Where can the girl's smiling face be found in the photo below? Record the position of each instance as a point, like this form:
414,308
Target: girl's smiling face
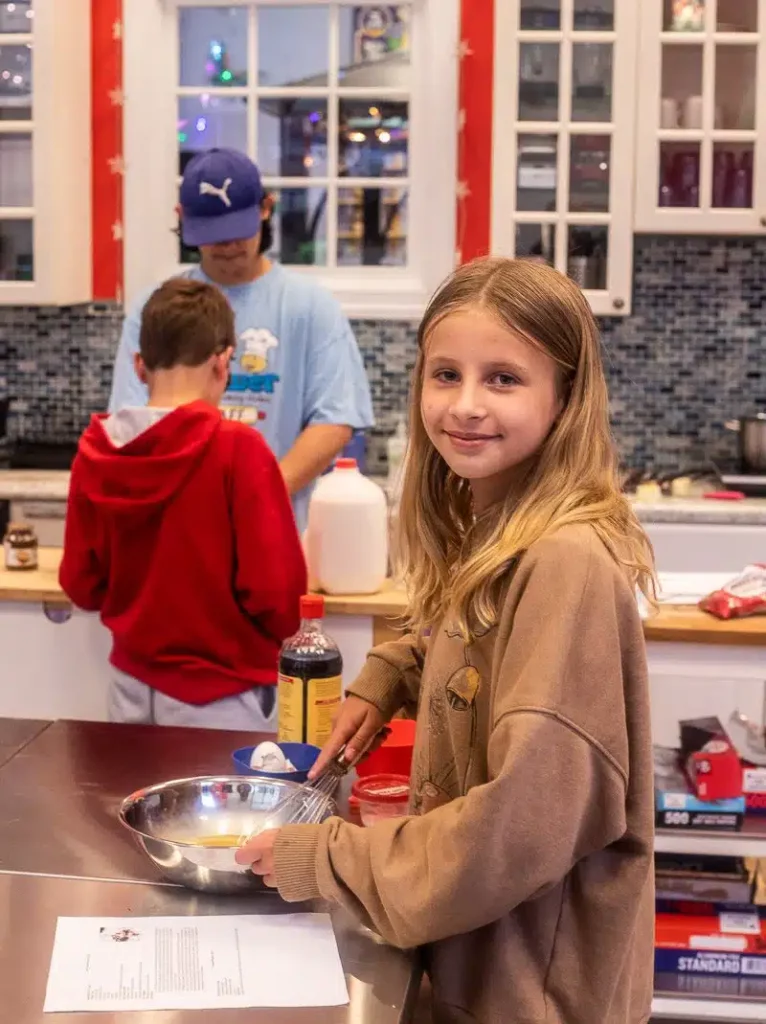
489,400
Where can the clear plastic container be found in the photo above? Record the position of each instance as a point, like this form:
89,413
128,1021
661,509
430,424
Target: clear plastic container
382,797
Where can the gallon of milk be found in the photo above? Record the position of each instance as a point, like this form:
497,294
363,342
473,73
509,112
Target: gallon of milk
347,537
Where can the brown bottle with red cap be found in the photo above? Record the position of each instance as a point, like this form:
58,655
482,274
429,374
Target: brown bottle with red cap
310,686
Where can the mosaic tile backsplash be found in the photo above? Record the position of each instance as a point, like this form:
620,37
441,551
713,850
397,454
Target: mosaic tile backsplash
691,356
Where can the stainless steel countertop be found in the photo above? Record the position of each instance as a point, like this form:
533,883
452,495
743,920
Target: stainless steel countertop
73,777
381,982
15,733
64,853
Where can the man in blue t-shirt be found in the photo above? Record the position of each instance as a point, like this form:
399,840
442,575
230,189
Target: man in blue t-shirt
297,374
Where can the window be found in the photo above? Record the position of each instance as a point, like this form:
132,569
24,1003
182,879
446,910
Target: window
350,111
16,130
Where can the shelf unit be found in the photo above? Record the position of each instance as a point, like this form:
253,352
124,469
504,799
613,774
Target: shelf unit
750,842
692,681
702,1008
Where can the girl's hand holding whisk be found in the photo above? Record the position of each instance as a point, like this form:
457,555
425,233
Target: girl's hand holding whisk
356,727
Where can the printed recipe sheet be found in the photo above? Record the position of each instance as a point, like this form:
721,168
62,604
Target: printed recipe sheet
180,963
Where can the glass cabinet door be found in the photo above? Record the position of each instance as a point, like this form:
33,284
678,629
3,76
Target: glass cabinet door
702,124
563,140
16,134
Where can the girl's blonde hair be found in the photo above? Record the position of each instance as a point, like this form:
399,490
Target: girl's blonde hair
454,561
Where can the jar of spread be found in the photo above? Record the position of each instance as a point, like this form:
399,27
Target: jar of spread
20,545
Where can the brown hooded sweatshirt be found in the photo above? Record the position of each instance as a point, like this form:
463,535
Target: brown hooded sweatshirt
525,869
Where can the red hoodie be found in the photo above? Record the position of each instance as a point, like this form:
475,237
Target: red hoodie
184,540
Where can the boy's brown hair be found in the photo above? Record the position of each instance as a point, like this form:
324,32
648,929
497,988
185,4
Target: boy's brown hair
184,323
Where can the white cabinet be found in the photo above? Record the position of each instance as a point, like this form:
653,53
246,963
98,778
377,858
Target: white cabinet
702,680
58,666
701,143
45,152
563,140
706,547
52,669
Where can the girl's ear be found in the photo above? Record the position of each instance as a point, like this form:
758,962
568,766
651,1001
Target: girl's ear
565,391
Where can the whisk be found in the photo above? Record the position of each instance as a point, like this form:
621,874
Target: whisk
307,803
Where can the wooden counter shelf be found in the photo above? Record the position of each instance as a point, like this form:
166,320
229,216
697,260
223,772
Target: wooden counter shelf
669,625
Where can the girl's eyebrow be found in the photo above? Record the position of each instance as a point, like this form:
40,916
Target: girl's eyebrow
505,365
495,366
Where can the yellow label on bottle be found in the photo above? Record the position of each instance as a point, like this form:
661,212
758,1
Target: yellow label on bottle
290,714
307,708
323,700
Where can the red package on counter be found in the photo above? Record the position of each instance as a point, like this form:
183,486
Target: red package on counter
712,764
743,595
715,771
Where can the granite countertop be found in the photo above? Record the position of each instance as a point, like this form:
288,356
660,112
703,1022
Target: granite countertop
53,485
697,511
38,484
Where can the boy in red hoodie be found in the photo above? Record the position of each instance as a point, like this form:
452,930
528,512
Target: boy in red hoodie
179,531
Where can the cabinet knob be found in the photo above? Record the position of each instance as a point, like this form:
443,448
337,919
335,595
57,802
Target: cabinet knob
56,612
763,222
619,303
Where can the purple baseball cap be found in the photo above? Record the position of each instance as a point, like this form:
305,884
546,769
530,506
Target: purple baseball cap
221,196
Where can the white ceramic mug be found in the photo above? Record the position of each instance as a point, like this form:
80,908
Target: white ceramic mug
669,113
693,112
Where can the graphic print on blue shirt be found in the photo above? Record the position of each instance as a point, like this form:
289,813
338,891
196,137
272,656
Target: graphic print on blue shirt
252,386
297,362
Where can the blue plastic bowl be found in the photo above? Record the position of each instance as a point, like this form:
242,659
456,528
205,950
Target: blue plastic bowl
301,755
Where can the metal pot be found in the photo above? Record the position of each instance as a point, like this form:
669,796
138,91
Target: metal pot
752,441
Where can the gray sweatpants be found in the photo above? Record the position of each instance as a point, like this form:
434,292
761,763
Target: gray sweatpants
135,702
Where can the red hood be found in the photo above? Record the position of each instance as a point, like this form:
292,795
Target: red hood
152,468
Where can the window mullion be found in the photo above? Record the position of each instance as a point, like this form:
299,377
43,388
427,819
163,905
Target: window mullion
252,82
332,137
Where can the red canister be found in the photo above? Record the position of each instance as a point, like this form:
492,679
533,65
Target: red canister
394,756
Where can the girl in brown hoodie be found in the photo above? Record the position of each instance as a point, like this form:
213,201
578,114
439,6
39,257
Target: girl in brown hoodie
525,867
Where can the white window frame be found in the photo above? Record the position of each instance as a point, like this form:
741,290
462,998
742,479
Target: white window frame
150,73
615,299
60,131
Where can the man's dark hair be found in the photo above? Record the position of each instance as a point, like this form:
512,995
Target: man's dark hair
184,323
191,254
267,235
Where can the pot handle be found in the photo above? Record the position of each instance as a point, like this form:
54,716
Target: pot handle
732,425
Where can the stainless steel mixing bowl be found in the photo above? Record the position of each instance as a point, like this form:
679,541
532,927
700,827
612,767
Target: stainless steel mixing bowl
172,820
